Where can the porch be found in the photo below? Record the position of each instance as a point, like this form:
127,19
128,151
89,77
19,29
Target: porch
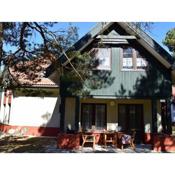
148,117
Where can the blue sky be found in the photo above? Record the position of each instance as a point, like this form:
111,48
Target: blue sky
158,29
157,32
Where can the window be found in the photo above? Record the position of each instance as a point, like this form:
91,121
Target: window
130,117
103,55
93,115
127,58
133,60
140,61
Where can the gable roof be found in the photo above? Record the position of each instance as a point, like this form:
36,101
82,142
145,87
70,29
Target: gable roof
129,29
24,77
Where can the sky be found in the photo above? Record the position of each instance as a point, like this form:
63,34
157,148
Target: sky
157,32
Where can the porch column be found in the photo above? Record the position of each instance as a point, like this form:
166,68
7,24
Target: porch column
164,115
154,115
62,113
169,121
77,109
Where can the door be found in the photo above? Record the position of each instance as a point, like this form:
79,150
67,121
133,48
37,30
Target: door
93,115
131,118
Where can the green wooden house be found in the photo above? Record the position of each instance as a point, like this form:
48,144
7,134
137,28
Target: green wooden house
137,89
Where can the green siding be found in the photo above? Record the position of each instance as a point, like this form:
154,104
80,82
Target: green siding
153,82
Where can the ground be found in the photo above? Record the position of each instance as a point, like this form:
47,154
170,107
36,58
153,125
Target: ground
17,144
21,144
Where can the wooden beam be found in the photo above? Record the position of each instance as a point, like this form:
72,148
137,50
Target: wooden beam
77,109
117,37
169,121
62,113
154,115
113,42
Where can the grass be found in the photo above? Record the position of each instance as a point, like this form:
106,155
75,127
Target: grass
11,144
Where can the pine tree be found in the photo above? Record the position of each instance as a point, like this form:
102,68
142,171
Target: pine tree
170,41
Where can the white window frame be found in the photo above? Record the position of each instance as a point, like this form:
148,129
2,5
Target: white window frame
143,61
134,61
102,66
131,58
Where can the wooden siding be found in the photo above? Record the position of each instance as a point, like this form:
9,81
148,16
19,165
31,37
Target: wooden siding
155,81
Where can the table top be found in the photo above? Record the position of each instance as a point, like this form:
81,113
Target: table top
101,132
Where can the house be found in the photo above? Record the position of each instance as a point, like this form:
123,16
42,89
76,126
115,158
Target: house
137,91
32,108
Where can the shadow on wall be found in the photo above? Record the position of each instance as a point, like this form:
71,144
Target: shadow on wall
156,83
6,114
101,79
48,129
51,128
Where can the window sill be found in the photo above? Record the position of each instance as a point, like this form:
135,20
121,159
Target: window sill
133,70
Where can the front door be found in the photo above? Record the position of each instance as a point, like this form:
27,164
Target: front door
131,118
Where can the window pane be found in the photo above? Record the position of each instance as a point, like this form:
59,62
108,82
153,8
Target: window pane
127,63
127,52
87,112
127,58
104,59
93,114
122,117
132,116
141,63
100,116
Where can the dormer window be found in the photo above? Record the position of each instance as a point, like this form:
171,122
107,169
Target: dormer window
133,60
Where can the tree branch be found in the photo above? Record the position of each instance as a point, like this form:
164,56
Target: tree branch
64,53
42,34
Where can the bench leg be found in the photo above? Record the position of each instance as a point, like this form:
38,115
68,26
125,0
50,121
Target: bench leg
94,143
84,140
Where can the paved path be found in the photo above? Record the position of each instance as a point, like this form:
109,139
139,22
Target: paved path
100,149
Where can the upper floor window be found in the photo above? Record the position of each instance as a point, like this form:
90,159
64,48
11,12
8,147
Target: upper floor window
127,58
133,60
103,56
140,61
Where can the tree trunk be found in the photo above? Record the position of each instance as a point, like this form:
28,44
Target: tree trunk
1,49
1,41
